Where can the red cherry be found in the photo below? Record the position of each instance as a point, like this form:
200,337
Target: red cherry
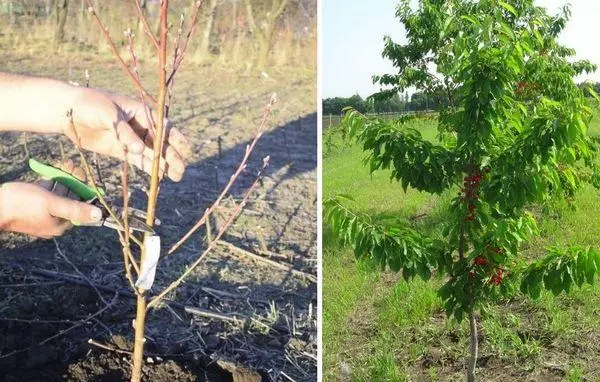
497,278
471,274
480,260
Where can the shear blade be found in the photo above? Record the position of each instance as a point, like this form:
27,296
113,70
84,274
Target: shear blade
140,226
140,215
134,225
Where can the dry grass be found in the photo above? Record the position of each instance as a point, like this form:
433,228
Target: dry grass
231,43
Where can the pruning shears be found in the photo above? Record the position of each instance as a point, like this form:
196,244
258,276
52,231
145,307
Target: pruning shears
89,195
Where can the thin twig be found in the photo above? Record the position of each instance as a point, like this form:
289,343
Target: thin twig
175,56
66,259
73,279
232,180
88,77
147,28
35,321
209,237
136,72
155,300
127,255
287,376
285,267
192,27
107,347
125,214
63,332
88,172
110,42
61,149
214,315
30,284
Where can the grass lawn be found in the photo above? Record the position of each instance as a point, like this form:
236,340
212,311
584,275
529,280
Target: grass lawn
379,328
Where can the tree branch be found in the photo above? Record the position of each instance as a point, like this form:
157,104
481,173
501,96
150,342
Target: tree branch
110,42
188,37
155,300
232,179
147,28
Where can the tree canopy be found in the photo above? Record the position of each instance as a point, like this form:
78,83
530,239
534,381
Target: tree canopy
512,133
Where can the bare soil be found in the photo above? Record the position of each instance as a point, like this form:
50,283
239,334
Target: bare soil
45,305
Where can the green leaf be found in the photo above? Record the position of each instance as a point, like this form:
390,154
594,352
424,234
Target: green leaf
509,8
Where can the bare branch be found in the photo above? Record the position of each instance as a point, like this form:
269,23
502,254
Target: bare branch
250,16
91,284
90,176
160,123
127,255
232,180
279,10
63,332
284,267
175,56
110,42
106,347
136,72
147,28
192,27
155,300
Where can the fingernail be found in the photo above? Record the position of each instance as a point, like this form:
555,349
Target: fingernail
96,214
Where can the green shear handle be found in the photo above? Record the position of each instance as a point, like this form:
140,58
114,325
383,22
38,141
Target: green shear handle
85,192
89,195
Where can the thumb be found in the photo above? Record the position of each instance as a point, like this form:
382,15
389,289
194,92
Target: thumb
74,211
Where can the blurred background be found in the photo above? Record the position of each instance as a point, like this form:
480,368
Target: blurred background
245,34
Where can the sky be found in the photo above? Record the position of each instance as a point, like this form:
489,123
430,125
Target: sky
353,33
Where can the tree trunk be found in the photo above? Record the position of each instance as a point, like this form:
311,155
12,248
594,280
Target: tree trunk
473,348
61,9
265,42
462,248
138,346
265,35
140,318
210,19
11,13
49,7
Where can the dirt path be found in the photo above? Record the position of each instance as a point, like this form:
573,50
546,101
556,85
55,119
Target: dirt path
276,331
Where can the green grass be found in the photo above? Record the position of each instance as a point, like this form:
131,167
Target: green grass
379,328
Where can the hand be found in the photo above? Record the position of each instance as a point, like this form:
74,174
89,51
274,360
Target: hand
34,210
119,127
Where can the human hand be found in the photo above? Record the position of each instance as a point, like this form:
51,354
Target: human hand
119,127
34,210
105,123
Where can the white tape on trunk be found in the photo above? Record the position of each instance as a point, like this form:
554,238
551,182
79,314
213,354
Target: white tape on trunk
148,271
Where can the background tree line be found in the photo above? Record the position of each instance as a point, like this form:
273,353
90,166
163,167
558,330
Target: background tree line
256,34
418,101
